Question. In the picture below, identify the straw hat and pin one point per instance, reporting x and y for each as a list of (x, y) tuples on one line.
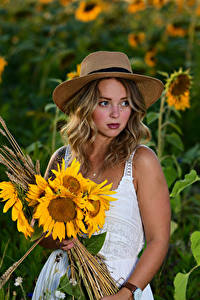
[(103, 64)]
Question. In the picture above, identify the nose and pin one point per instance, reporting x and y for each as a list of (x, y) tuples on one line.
[(115, 111)]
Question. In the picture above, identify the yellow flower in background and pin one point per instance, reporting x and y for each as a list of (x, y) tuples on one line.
[(88, 11), (157, 3), (178, 90), (135, 39), (74, 74), (198, 10), (3, 63), (45, 1), (150, 58), (173, 30), (65, 2), (136, 5), (9, 194)]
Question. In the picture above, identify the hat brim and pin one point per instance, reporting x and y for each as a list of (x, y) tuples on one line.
[(149, 87)]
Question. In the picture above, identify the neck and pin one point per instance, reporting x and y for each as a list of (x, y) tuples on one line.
[(99, 148)]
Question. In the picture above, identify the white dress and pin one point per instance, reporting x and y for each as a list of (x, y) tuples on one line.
[(124, 241)]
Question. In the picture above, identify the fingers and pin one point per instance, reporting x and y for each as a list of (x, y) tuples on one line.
[(66, 244)]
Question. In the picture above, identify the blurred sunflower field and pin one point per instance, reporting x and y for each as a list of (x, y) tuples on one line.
[(42, 43)]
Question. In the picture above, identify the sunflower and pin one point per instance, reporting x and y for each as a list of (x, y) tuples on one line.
[(3, 63), (136, 5), (74, 74), (59, 214), (174, 30), (198, 10), (60, 202), (135, 39), (98, 202), (37, 190), (10, 195), (178, 90), (45, 1), (65, 2), (69, 178), (150, 58), (157, 3), (88, 11)]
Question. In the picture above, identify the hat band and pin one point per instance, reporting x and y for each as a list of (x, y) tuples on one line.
[(113, 69)]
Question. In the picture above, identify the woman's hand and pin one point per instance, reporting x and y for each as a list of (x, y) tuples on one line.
[(66, 244), (123, 294)]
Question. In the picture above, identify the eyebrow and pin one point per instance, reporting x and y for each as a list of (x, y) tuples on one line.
[(102, 97)]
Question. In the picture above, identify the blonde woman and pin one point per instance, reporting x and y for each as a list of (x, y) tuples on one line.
[(106, 106)]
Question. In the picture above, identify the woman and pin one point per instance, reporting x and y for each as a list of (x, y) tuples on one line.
[(106, 105)]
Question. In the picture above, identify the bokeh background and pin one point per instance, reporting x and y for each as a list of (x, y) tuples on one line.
[(42, 43)]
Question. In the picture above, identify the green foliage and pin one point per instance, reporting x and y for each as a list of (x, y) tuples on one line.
[(70, 289), (181, 280), (95, 243)]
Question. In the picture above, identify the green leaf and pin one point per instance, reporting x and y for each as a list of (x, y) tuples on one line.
[(95, 243), (173, 226), (151, 117), (165, 74), (56, 80), (175, 140), (49, 106), (182, 184), (170, 174), (33, 146), (195, 246), (180, 283), (2, 294), (176, 204), (37, 233), (73, 290), (175, 126)]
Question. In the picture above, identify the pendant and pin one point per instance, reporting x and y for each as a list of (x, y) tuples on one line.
[(94, 174)]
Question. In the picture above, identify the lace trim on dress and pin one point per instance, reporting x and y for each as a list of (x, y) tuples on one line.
[(67, 156)]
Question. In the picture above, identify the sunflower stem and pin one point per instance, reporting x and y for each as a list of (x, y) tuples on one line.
[(4, 278), (82, 274), (191, 36), (160, 119)]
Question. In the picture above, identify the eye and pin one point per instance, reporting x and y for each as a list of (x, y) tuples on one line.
[(103, 103), (125, 103)]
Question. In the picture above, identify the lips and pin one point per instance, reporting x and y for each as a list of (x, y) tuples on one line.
[(113, 125)]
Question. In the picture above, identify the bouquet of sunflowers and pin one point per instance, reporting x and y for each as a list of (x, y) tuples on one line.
[(67, 205)]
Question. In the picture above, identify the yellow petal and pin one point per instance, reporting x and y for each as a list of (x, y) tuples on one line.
[(9, 204)]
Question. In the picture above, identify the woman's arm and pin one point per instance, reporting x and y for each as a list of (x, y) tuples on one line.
[(153, 199), (48, 242)]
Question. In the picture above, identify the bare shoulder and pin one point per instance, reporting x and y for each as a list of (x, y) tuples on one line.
[(55, 159), (147, 169), (145, 158), (146, 164)]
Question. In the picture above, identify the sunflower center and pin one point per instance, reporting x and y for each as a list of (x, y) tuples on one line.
[(96, 206), (180, 85), (89, 7), (62, 209), (72, 184)]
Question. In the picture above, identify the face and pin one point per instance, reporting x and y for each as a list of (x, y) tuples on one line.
[(113, 109)]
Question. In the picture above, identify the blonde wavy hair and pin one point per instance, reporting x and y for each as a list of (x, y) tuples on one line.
[(81, 130)]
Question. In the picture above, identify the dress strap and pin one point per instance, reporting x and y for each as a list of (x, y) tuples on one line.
[(128, 172), (67, 156)]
